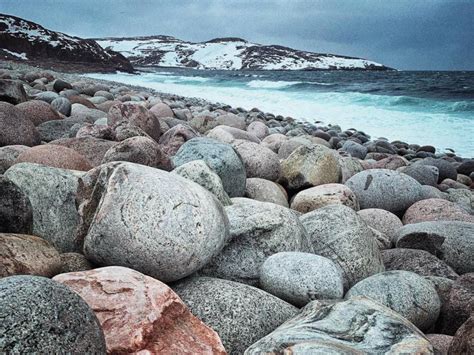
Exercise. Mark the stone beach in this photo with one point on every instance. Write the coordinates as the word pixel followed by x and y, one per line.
pixel 135 221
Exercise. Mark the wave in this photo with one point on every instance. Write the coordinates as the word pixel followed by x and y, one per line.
pixel 269 84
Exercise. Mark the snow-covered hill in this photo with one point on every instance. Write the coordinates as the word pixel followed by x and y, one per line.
pixel 27 41
pixel 227 54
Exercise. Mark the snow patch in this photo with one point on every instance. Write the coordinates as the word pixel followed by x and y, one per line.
pixel 15 54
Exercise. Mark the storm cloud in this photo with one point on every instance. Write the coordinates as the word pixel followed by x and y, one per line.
pixel 405 34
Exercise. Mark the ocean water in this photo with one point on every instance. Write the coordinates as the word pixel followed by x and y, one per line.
pixel 435 108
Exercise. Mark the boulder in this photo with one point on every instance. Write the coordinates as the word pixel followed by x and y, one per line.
pixel 38 111
pixel 323 195
pixel 239 313
pixel 175 137
pixel 259 161
pixel 463 341
pixel 418 261
pixel 149 220
pixel 47 96
pixel 42 316
pixel 55 156
pixel 392 162
pixel 16 127
pixel 424 174
pixel 452 242
pixel 95 131
pixel 93 149
pixel 231 120
pixel 62 105
pixel 199 172
pixel 60 85
pixel 458 306
pixel 274 141
pixel 140 314
pixel 436 209
pixel 65 128
pixel 466 167
pixel 446 169
pixel 356 326
pixel 257 231
pixel 354 149
pixel 310 166
pixel 139 150
pixel 22 254
pixel 12 91
pixel 381 220
pixel 16 215
pixel 386 189
pixel 290 145
pixel 300 278
pixel 8 155
pixel 220 157
pixel 339 234
pixel 407 293
pixel 136 115
pixel 82 112
pixel 72 262
pixel 266 191
pixel 162 110
pixel 258 129
pixel 52 194
pixel 227 134
pixel 440 343
pixel 349 167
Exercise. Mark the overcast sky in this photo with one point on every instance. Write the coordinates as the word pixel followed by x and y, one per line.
pixel 405 34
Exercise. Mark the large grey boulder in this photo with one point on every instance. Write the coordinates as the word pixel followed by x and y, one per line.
pixel 386 189
pixel 16 214
pixel 355 149
pixel 339 234
pixel 257 231
pixel 409 294
pixel 220 157
pixel 299 278
pixel 259 161
pixel 239 313
pixel 445 169
pixel 149 220
pixel 199 172
pixel 452 242
pixel 424 174
pixel 357 326
pixel 42 316
pixel 52 194
pixel 309 166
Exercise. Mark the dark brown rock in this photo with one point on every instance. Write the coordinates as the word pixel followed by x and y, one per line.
pixel 16 128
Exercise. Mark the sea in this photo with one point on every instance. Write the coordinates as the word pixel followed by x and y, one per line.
pixel 423 107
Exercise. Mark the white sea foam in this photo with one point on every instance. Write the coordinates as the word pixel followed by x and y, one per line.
pixel 371 113
pixel 269 84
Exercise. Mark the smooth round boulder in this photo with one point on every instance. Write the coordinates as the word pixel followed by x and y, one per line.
pixel 424 174
pixel 323 195
pixel 418 261
pixel 239 313
pixel 355 149
pixel 274 141
pixel 310 166
pixel 175 137
pixel 407 293
pixel 93 149
pixel 136 115
pixel 227 134
pixel 60 85
pixel 139 150
pixel 162 110
pixel 16 213
pixel 8 155
pixel 435 209
pixel 257 231
pixel 54 156
pixel 463 341
pixel 199 172
pixel 446 169
pixel 339 234
pixel 266 191
pixel 42 316
pixel 220 157
pixel 259 129
pixel 231 120
pixel 22 254
pixel 16 127
pixel 466 167
pixel 38 111
pixel 259 161
pixel 300 278
pixel 149 220
pixel 386 189
pixel 62 105
pixel 381 220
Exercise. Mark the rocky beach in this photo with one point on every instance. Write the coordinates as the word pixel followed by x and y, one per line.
pixel 136 221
